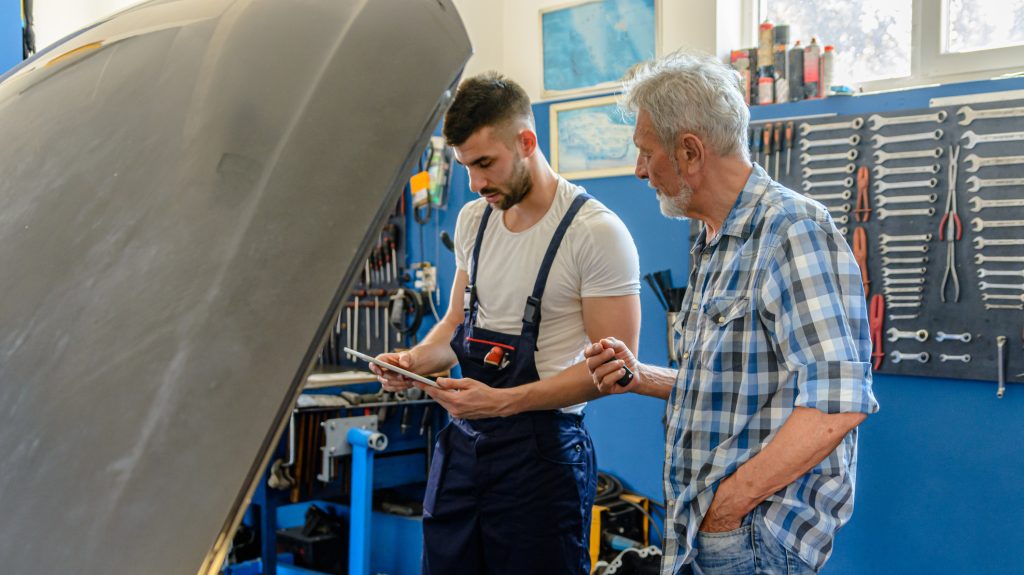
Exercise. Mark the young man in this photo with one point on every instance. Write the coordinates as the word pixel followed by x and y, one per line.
pixel 542 270
pixel 775 370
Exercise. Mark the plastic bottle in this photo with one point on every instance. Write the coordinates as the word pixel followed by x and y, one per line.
pixel 828 59
pixel 765 43
pixel 812 57
pixel 796 73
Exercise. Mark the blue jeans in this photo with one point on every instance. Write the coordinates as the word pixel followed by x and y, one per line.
pixel 749 550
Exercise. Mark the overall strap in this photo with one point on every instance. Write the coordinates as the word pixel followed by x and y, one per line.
pixel 471 305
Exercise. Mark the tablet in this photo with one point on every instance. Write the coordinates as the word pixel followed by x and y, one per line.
pixel 391 367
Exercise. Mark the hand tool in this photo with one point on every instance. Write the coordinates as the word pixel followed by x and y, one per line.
pixel 903 304
pixel 886 260
pixel 879 141
pixel 844 195
pixel 886 272
pixel 850 141
pixel 887 249
pixel 882 157
pixel 972 139
pixel 882 186
pixel 853 124
pixel 882 171
pixel 897 357
pixel 982 272
pixel 950 229
pixel 995 296
pixel 969 114
pixel 943 336
pixel 757 144
pixel 992 306
pixel 348 328
pixel 974 183
pixel 367 278
pixel 896 334
pixel 884 213
pixel 649 278
pixel 987 286
pixel 806 158
pixel 907 289
pixel 843 231
pixel 902 317
pixel 978 204
pixel 976 162
pixel 789 146
pixel 841 208
pixel 355 324
pixel 1001 364
pixel 860 252
pixel 966 358
pixel 982 242
pixel 911 199
pixel 777 137
pixel 752 137
pixel 844 183
pixel 863 211
pixel 878 121
pixel 979 224
pixel 394 260
pixel 376 317
pixel 904 297
pixel 902 281
pixel 843 219
pixel 847 169
pixel 387 329
pixel 767 147
pixel 982 258
pixel 875 320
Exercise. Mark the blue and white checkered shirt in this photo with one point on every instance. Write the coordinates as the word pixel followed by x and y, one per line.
pixel 774 318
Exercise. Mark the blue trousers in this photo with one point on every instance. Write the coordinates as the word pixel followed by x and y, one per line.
pixel 749 550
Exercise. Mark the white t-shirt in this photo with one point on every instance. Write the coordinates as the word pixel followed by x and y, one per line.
pixel 597 258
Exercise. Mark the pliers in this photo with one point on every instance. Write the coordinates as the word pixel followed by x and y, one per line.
pixel 876 320
pixel 950 228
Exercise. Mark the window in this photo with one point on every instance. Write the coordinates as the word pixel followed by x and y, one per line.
pixel 885 44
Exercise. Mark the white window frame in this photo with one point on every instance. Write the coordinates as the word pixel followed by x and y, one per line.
pixel 929 65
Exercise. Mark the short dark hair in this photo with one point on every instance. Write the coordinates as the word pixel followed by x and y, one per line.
pixel 488 99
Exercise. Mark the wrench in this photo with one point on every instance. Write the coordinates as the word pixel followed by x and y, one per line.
pixel 978 224
pixel 881 121
pixel 902 281
pixel 981 243
pixel 886 260
pixel 893 317
pixel 880 141
pixel 982 272
pixel 842 208
pixel 897 357
pixel 887 213
pixel 991 306
pixel 903 304
pixel 970 114
pixel 844 195
pixel 1012 297
pixel 973 139
pixel 886 272
pixel 886 249
pixel 887 238
pixel 808 158
pixel 982 258
pixel 882 157
pixel 890 297
pixel 845 183
pixel 882 186
pixel 907 289
pixel 854 124
pixel 842 220
pixel 882 171
pixel 847 169
pixel 974 183
pixel 943 336
pixel 808 144
pixel 881 200
pixel 985 286
pixel 966 358
pixel 977 162
pixel 978 204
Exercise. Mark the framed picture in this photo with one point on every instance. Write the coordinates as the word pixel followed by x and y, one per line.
pixel 591 139
pixel 589 45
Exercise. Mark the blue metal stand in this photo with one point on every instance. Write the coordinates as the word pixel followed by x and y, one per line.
pixel 361 507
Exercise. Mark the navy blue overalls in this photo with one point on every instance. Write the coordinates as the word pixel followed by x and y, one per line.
pixel 509 495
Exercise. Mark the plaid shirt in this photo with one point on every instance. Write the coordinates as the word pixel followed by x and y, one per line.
pixel 774 318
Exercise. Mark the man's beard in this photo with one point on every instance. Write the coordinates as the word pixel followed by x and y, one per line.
pixel 676 206
pixel 518 186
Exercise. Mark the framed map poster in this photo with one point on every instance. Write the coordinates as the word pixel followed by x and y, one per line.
pixel 591 139
pixel 590 44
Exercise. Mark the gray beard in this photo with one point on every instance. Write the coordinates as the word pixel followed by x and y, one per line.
pixel 675 207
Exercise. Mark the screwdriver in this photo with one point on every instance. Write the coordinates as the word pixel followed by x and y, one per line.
pixel 767 147
pixel 752 136
pixel 757 145
pixel 789 145
pixel 778 147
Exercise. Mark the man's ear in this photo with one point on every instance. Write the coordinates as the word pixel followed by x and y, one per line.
pixel 527 142
pixel 689 153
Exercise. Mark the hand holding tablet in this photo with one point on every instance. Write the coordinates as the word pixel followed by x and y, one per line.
pixel 391 367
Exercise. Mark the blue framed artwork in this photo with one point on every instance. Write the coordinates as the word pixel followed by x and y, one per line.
pixel 591 139
pixel 591 44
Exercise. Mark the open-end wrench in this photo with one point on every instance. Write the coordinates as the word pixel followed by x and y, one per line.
pixel 844 195
pixel 984 273
pixel 991 306
pixel 882 186
pixel 806 158
pixel 971 139
pixel 1002 296
pixel 896 357
pixel 905 316
pixel 881 200
pixel 966 358
pixel 850 141
pixel 882 171
pixel 884 213
pixel 880 141
pixel 887 249
pixel 890 238
pixel 943 336
pixel 978 224
pixel 982 258
pixel 841 220
pixel 878 121
pixel 978 204
pixel 889 290
pixel 886 272
pixel 967 114
pixel 987 286
pixel 840 209
pixel 902 304
pixel 976 162
pixel 882 157
pixel 982 242
pixel 886 260
pixel 974 183
pixel 1001 365
pixel 845 183
pixel 847 169
pixel 853 124
pixel 902 281
pixel 914 297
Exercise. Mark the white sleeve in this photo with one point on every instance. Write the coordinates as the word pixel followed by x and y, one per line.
pixel 607 256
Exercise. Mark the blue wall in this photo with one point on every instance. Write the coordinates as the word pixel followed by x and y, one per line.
pixel 941 470
pixel 10 35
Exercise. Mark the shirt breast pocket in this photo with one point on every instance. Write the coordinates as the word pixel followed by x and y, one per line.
pixel 724 320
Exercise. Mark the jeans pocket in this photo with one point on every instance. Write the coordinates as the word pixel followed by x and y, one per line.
pixel 727 553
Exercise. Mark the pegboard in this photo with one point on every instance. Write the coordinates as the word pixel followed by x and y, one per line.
pixel 867 135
